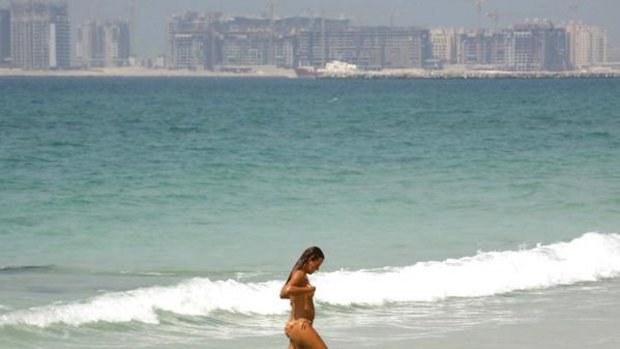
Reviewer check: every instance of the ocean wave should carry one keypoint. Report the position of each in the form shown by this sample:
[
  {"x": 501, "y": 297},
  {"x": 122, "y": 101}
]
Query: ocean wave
[
  {"x": 195, "y": 297},
  {"x": 591, "y": 257},
  {"x": 24, "y": 268}
]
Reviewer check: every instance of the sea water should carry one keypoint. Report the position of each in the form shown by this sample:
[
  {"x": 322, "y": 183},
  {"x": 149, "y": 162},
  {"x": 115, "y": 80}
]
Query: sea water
[{"x": 167, "y": 213}]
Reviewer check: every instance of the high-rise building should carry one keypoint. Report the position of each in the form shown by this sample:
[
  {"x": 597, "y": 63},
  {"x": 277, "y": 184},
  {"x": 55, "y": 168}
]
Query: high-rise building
[
  {"x": 367, "y": 47},
  {"x": 539, "y": 46},
  {"x": 253, "y": 49},
  {"x": 557, "y": 56},
  {"x": 116, "y": 40},
  {"x": 406, "y": 48},
  {"x": 103, "y": 44},
  {"x": 443, "y": 44},
  {"x": 255, "y": 41},
  {"x": 524, "y": 47},
  {"x": 5, "y": 37},
  {"x": 191, "y": 41},
  {"x": 527, "y": 48},
  {"x": 40, "y": 34},
  {"x": 587, "y": 45},
  {"x": 483, "y": 48},
  {"x": 88, "y": 47}
]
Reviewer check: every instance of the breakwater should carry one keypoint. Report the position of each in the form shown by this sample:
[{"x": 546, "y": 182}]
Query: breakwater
[{"x": 469, "y": 74}]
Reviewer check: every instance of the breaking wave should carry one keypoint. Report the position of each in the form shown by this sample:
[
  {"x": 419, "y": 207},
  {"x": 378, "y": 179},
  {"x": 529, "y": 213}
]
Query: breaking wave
[{"x": 591, "y": 257}]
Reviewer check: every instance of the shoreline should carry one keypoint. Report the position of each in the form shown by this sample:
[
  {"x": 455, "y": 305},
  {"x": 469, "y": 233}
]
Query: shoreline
[
  {"x": 472, "y": 74},
  {"x": 270, "y": 72},
  {"x": 134, "y": 72}
]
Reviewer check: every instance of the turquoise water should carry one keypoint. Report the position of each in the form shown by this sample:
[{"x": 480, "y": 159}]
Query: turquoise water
[{"x": 166, "y": 213}]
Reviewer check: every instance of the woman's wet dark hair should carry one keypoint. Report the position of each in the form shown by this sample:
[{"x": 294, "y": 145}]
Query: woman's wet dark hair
[{"x": 310, "y": 254}]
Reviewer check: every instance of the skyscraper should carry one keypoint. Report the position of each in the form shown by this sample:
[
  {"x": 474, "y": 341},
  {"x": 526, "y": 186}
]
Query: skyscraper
[
  {"x": 116, "y": 42},
  {"x": 187, "y": 41},
  {"x": 483, "y": 47},
  {"x": 5, "y": 36},
  {"x": 369, "y": 48},
  {"x": 195, "y": 40},
  {"x": 40, "y": 34},
  {"x": 539, "y": 46},
  {"x": 103, "y": 44},
  {"x": 587, "y": 45},
  {"x": 88, "y": 50},
  {"x": 443, "y": 44}
]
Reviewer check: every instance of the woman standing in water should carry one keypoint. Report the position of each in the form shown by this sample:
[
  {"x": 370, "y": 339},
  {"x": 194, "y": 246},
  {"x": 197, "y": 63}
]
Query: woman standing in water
[{"x": 297, "y": 288}]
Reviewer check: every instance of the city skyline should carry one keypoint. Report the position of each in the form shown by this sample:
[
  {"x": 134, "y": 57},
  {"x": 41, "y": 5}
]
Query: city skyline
[
  {"x": 40, "y": 39},
  {"x": 150, "y": 34}
]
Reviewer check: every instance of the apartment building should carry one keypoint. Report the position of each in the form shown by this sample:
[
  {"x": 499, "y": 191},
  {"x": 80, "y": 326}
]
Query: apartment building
[
  {"x": 103, "y": 44},
  {"x": 443, "y": 42},
  {"x": 191, "y": 41},
  {"x": 40, "y": 34},
  {"x": 524, "y": 47},
  {"x": 369, "y": 48},
  {"x": 489, "y": 48},
  {"x": 5, "y": 37},
  {"x": 587, "y": 45}
]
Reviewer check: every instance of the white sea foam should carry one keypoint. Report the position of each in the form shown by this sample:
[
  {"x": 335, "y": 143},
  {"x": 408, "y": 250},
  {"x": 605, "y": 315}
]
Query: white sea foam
[
  {"x": 591, "y": 257},
  {"x": 198, "y": 296}
]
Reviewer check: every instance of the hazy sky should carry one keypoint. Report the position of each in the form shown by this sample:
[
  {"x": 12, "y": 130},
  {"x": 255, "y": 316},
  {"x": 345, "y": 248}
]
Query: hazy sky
[{"x": 152, "y": 14}]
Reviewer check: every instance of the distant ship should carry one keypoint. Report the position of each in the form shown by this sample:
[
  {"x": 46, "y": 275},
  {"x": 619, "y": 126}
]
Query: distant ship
[
  {"x": 307, "y": 72},
  {"x": 332, "y": 69}
]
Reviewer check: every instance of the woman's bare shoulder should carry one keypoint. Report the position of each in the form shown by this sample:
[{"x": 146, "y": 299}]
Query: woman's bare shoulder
[{"x": 298, "y": 278}]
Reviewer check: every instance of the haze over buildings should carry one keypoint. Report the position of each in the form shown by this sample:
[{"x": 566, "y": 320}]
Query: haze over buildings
[
  {"x": 208, "y": 39},
  {"x": 216, "y": 42},
  {"x": 103, "y": 44},
  {"x": 39, "y": 35},
  {"x": 5, "y": 37},
  {"x": 150, "y": 14}
]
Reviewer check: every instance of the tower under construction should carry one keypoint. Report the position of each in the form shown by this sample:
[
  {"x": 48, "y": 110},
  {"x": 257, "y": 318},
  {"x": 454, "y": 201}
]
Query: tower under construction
[{"x": 40, "y": 34}]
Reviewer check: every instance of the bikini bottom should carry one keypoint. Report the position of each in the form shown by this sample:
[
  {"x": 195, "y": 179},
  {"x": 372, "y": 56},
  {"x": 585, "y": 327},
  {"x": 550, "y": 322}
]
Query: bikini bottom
[{"x": 290, "y": 326}]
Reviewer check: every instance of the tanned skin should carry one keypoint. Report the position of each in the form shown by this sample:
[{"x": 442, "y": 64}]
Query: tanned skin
[{"x": 300, "y": 292}]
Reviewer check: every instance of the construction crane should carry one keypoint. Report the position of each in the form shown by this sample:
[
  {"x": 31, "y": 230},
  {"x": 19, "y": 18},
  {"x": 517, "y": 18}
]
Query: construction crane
[
  {"x": 479, "y": 4},
  {"x": 574, "y": 7},
  {"x": 131, "y": 4},
  {"x": 211, "y": 19},
  {"x": 393, "y": 17},
  {"x": 496, "y": 15},
  {"x": 271, "y": 10},
  {"x": 395, "y": 14}
]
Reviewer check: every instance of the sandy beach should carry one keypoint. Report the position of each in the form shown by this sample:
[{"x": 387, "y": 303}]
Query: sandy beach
[
  {"x": 272, "y": 72},
  {"x": 145, "y": 72}
]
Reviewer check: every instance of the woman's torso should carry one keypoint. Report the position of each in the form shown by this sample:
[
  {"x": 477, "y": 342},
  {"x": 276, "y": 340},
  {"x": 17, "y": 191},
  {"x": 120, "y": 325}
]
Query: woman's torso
[{"x": 302, "y": 306}]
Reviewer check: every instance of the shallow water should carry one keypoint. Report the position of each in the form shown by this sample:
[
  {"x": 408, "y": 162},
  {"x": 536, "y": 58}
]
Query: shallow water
[{"x": 166, "y": 213}]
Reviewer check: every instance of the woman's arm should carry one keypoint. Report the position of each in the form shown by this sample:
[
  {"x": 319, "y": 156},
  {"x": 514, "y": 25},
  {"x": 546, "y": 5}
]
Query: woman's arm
[{"x": 297, "y": 285}]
